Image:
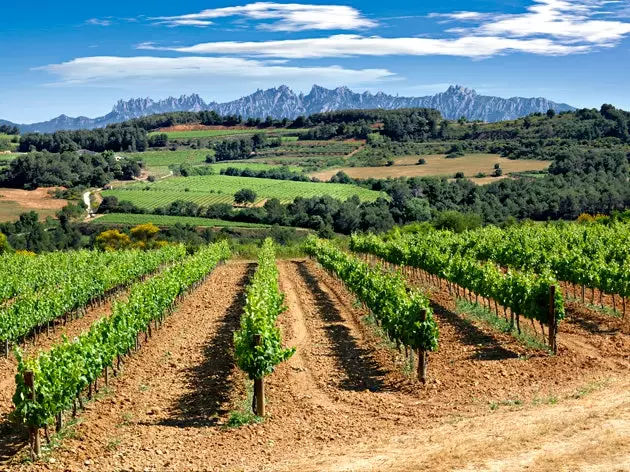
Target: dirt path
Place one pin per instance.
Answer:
(343, 401)
(590, 433)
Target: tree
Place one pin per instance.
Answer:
(245, 196)
(422, 161)
(460, 175)
(112, 240)
(551, 113)
(4, 244)
(145, 232)
(259, 140)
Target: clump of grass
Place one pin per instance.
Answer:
(482, 314)
(240, 418)
(510, 403)
(243, 415)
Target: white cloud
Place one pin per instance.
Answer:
(282, 16)
(111, 70)
(354, 45)
(99, 22)
(187, 22)
(546, 27)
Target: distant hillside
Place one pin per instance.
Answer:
(282, 102)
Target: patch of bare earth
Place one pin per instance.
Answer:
(13, 202)
(343, 401)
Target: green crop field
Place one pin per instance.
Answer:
(249, 165)
(212, 189)
(216, 133)
(165, 220)
(167, 158)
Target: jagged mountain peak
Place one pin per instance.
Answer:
(460, 90)
(282, 102)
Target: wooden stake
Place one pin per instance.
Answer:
(259, 388)
(422, 355)
(553, 327)
(33, 431)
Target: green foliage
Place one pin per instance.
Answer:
(394, 305)
(208, 190)
(47, 287)
(244, 195)
(524, 292)
(68, 368)
(4, 244)
(264, 304)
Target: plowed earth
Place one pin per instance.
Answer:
(343, 402)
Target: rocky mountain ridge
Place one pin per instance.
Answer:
(282, 102)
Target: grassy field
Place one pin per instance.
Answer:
(439, 166)
(165, 220)
(209, 190)
(157, 162)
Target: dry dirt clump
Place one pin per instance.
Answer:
(344, 401)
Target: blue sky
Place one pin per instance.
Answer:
(79, 58)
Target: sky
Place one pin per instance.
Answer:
(79, 58)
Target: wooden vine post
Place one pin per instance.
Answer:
(553, 323)
(422, 355)
(33, 431)
(259, 388)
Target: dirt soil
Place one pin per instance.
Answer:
(344, 401)
(15, 201)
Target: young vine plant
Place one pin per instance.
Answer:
(397, 308)
(63, 372)
(258, 342)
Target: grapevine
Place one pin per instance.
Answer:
(258, 342)
(404, 314)
(63, 372)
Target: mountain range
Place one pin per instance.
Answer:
(282, 102)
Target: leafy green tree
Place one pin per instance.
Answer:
(245, 196)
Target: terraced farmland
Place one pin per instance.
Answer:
(212, 189)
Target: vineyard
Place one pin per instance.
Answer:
(129, 219)
(213, 189)
(382, 351)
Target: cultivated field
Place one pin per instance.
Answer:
(13, 202)
(439, 166)
(213, 132)
(344, 401)
(166, 158)
(166, 220)
(208, 190)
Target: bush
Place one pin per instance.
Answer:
(151, 178)
(422, 161)
(460, 175)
